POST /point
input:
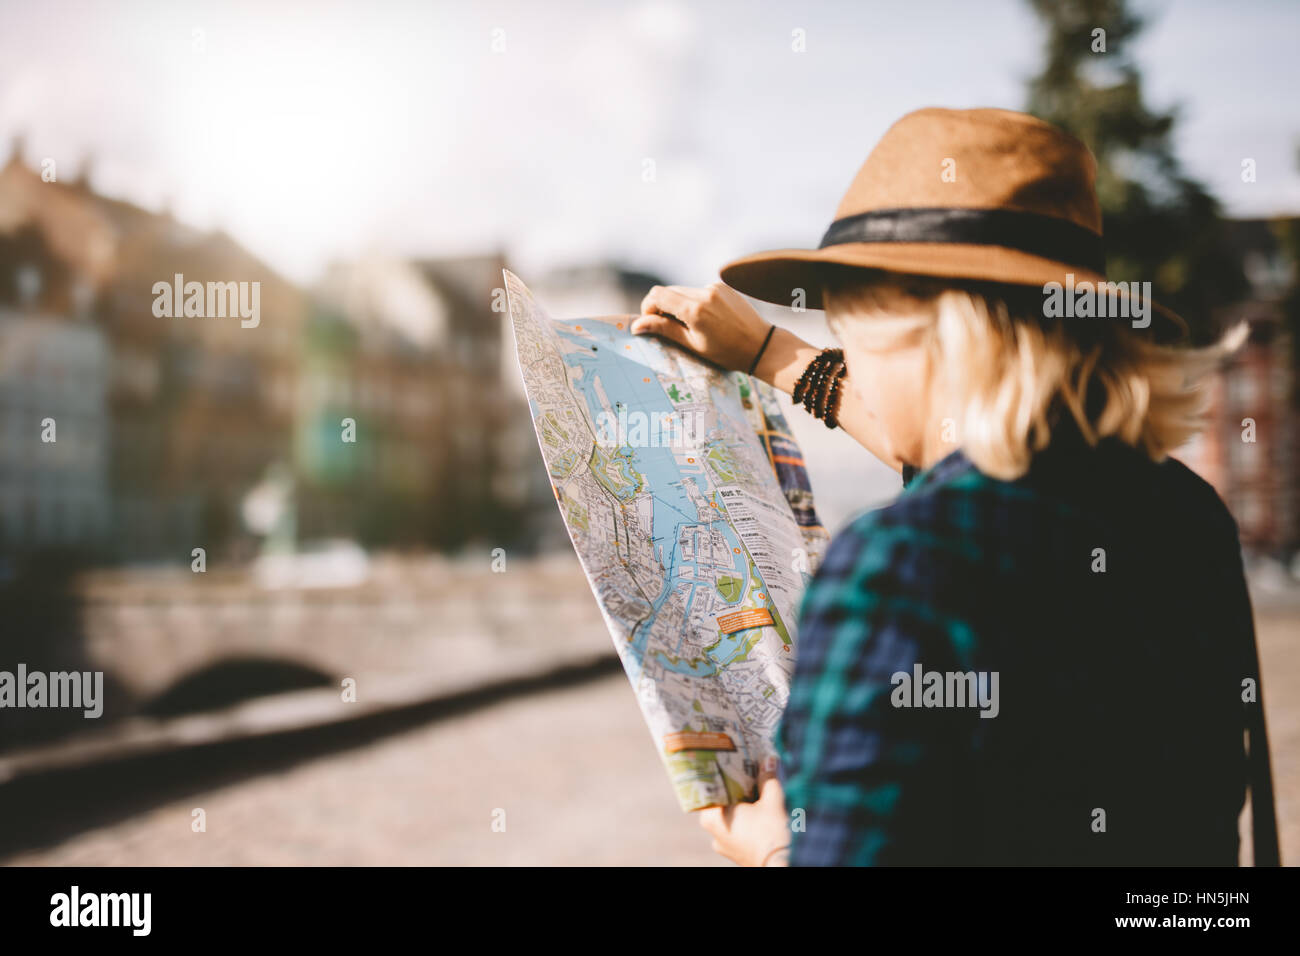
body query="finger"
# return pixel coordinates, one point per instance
(660, 325)
(673, 300)
(770, 791)
(651, 301)
(768, 770)
(655, 299)
(711, 819)
(662, 315)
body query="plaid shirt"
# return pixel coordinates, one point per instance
(1106, 592)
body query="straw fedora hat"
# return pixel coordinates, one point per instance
(987, 195)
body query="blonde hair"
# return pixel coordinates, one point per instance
(1005, 374)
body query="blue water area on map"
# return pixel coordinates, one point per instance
(604, 354)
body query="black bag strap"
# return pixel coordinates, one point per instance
(1263, 817)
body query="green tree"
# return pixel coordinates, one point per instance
(1160, 225)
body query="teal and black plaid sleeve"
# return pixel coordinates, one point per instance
(867, 782)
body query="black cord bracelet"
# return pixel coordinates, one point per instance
(762, 348)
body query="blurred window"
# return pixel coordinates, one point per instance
(29, 283)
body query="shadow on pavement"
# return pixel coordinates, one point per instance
(46, 808)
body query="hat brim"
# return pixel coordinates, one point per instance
(779, 275)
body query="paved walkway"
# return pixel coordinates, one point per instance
(573, 770)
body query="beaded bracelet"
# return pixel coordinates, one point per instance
(832, 415)
(819, 387)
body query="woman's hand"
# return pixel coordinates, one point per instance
(719, 325)
(752, 834)
(716, 323)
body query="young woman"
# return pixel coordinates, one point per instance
(1043, 650)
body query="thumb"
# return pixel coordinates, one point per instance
(768, 770)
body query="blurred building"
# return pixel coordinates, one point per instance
(412, 351)
(380, 392)
(53, 428)
(193, 408)
(1251, 450)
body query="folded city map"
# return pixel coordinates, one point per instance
(689, 507)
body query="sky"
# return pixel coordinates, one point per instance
(665, 135)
